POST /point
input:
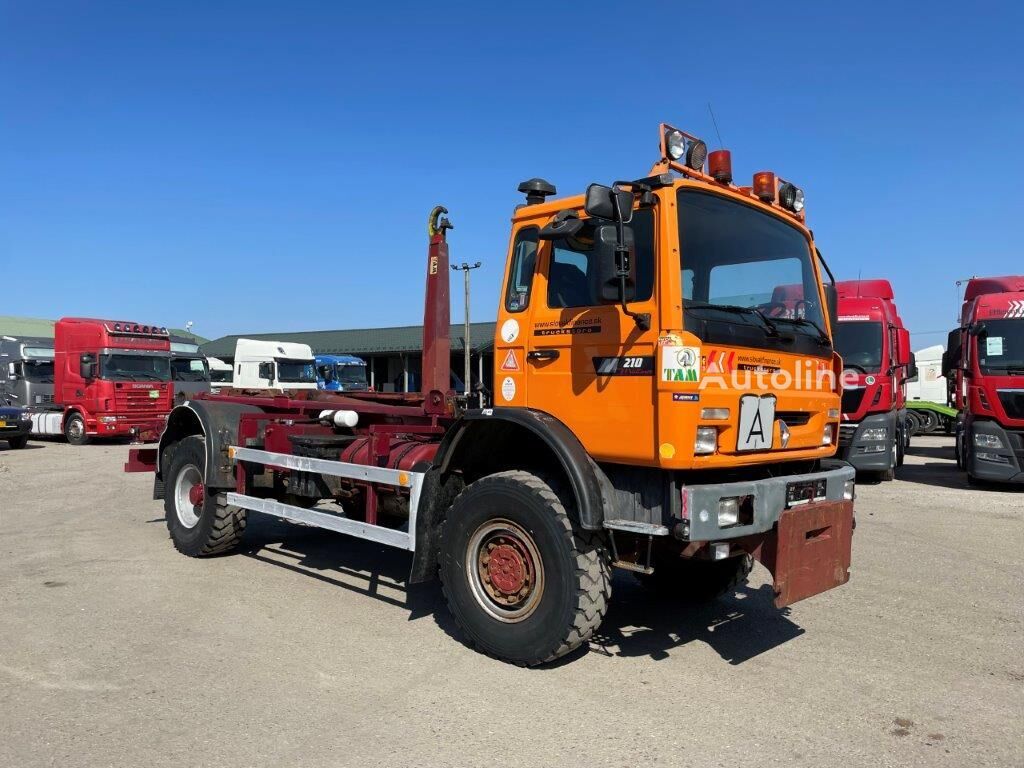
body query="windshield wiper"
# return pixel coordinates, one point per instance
(823, 337)
(148, 376)
(736, 309)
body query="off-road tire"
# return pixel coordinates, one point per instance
(697, 581)
(18, 442)
(220, 526)
(73, 436)
(576, 569)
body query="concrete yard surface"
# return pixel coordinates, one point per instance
(307, 649)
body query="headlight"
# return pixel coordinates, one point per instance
(791, 197)
(675, 144)
(848, 490)
(706, 440)
(108, 419)
(826, 436)
(994, 457)
(982, 440)
(728, 512)
(875, 434)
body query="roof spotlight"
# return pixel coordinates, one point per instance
(696, 152)
(117, 326)
(675, 144)
(791, 197)
(145, 329)
(135, 328)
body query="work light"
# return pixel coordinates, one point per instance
(791, 197)
(675, 144)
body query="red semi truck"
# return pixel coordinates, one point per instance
(875, 347)
(985, 357)
(111, 379)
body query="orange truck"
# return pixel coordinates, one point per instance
(666, 401)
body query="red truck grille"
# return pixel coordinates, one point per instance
(139, 400)
(1013, 402)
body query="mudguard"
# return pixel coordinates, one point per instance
(218, 423)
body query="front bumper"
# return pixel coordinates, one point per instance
(804, 539)
(144, 429)
(868, 455)
(1002, 465)
(15, 428)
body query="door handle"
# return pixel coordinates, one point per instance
(543, 354)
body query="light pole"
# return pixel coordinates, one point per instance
(465, 333)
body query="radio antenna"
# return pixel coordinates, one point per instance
(718, 133)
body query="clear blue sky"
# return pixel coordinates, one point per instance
(257, 166)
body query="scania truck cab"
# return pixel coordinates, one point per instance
(189, 369)
(341, 373)
(875, 348)
(989, 373)
(278, 365)
(111, 379)
(654, 409)
(26, 371)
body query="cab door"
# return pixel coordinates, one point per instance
(585, 362)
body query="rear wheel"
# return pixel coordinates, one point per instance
(200, 523)
(74, 429)
(521, 580)
(18, 442)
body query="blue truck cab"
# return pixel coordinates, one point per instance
(15, 425)
(341, 373)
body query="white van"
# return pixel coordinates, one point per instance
(277, 365)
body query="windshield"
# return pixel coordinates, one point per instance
(860, 345)
(1001, 347)
(186, 369)
(738, 262)
(296, 371)
(351, 375)
(220, 375)
(122, 367)
(39, 371)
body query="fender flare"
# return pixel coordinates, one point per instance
(590, 485)
(218, 423)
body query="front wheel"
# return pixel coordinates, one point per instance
(200, 523)
(18, 442)
(74, 429)
(521, 580)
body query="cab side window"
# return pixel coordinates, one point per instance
(520, 276)
(569, 278)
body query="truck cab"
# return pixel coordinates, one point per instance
(988, 355)
(26, 371)
(220, 373)
(280, 365)
(190, 371)
(341, 373)
(875, 348)
(111, 379)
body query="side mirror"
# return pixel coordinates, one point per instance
(832, 305)
(977, 329)
(12, 371)
(912, 368)
(605, 272)
(603, 202)
(87, 366)
(903, 353)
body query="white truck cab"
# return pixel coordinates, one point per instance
(276, 365)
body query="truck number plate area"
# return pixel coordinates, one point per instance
(805, 492)
(756, 428)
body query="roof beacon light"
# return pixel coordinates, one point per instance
(764, 186)
(720, 166)
(791, 197)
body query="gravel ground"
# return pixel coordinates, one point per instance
(308, 650)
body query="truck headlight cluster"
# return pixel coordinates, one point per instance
(982, 440)
(706, 441)
(848, 490)
(826, 436)
(728, 512)
(875, 434)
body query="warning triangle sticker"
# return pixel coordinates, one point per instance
(510, 363)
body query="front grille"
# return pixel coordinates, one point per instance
(852, 399)
(846, 433)
(793, 418)
(1013, 402)
(138, 399)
